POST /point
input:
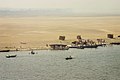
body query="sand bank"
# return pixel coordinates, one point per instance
(36, 32)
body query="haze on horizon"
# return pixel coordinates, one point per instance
(76, 6)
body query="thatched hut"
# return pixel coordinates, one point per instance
(62, 38)
(110, 36)
(79, 37)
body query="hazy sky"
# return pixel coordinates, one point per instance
(78, 5)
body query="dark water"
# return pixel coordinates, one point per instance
(88, 64)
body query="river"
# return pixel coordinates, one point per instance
(102, 63)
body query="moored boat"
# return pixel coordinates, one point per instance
(103, 45)
(32, 52)
(115, 43)
(4, 50)
(89, 46)
(58, 47)
(80, 47)
(73, 46)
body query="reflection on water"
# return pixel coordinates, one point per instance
(88, 64)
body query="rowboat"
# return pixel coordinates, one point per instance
(68, 58)
(11, 56)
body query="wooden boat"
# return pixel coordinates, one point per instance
(99, 45)
(58, 47)
(32, 52)
(68, 58)
(80, 47)
(4, 50)
(76, 46)
(90, 46)
(73, 46)
(115, 43)
(102, 45)
(11, 56)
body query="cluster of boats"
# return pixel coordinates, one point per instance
(14, 55)
(84, 46)
(66, 47)
(61, 47)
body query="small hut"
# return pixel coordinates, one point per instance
(110, 36)
(79, 37)
(62, 38)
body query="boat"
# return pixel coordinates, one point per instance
(58, 47)
(80, 47)
(32, 52)
(115, 43)
(76, 46)
(99, 45)
(103, 45)
(4, 50)
(89, 46)
(73, 46)
(11, 56)
(68, 58)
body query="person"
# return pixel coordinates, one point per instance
(70, 57)
(46, 45)
(32, 52)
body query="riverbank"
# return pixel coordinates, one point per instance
(44, 45)
(25, 33)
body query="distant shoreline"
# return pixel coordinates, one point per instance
(54, 12)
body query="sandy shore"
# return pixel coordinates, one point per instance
(35, 32)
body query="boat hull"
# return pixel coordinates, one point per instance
(4, 50)
(115, 43)
(90, 46)
(68, 58)
(11, 56)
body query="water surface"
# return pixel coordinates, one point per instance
(102, 63)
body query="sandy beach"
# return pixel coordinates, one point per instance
(36, 32)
